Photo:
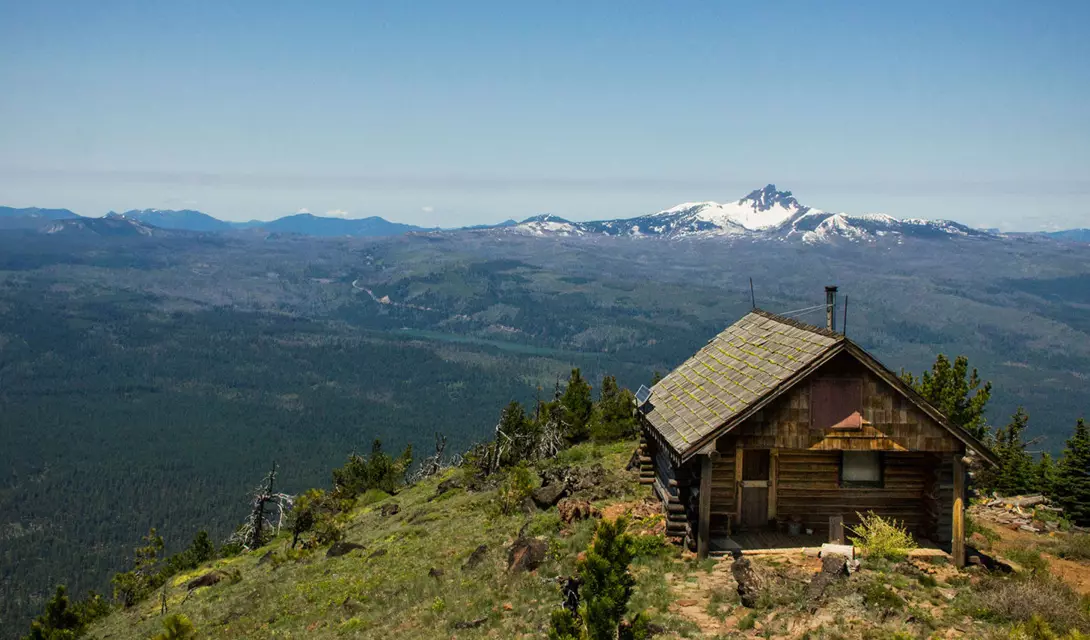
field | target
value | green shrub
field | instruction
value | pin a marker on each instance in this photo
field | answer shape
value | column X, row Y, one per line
column 649, row 546
column 517, row 484
column 1037, row 628
column 878, row 537
column 376, row 471
column 880, row 597
column 176, row 627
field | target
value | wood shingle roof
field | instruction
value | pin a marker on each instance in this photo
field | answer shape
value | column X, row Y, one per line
column 746, row 366
column 741, row 365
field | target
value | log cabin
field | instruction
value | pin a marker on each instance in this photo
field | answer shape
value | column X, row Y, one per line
column 780, row 425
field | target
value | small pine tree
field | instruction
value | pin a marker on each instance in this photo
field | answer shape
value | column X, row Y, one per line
column 1045, row 475
column 131, row 586
column 578, row 405
column 959, row 394
column 614, row 416
column 1072, row 486
column 607, row 588
column 1015, row 473
column 516, row 434
column 59, row 621
column 199, row 551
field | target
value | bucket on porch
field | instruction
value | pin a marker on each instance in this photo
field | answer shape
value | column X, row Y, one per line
column 794, row 526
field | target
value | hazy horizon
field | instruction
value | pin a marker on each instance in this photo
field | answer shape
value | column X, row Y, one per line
column 447, row 115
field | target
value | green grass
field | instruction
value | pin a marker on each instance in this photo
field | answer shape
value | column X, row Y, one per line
column 306, row 594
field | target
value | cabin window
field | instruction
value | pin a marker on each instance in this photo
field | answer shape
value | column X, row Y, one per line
column 836, row 404
column 861, row 469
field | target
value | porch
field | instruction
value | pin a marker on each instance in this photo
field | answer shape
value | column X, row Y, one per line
column 758, row 543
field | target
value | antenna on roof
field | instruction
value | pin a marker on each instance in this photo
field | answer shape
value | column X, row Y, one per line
column 844, row 329
column 752, row 298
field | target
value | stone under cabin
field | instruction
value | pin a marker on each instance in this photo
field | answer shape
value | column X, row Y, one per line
column 780, row 430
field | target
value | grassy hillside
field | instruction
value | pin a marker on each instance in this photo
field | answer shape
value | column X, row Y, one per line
column 410, row 578
column 166, row 373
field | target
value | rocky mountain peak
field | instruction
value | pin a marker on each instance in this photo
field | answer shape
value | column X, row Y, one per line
column 768, row 197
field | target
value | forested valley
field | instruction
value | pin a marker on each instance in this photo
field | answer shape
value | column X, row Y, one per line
column 151, row 382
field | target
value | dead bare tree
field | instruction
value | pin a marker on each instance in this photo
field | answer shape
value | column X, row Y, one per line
column 434, row 464
column 252, row 533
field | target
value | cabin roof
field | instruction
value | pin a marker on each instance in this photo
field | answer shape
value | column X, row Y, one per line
column 747, row 366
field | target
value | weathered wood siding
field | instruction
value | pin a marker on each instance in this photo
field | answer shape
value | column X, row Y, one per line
column 890, row 421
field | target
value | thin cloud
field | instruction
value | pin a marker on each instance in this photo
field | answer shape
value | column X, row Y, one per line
column 428, row 209
column 303, row 210
column 337, row 213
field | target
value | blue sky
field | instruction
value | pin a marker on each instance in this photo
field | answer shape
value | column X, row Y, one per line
column 451, row 113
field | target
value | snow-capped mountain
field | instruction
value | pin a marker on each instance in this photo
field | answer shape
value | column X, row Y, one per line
column 765, row 213
column 547, row 225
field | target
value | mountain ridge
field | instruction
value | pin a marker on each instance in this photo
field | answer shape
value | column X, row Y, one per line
column 763, row 214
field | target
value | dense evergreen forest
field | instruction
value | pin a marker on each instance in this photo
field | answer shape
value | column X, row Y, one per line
column 150, row 382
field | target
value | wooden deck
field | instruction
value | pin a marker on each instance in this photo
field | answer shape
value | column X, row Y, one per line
column 773, row 542
column 756, row 542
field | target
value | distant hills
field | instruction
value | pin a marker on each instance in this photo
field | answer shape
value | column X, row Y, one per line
column 766, row 213
column 312, row 225
column 186, row 219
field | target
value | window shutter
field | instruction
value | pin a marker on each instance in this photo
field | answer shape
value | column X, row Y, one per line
column 836, row 403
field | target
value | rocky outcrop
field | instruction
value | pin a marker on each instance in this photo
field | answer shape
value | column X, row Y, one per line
column 526, row 554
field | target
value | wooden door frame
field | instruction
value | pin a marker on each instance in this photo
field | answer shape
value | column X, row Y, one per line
column 771, row 483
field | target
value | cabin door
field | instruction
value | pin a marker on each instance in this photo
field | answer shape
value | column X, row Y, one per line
column 754, row 496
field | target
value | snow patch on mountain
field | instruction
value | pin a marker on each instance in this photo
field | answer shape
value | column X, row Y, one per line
column 547, row 225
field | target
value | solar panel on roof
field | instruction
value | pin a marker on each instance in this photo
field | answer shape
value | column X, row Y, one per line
column 642, row 395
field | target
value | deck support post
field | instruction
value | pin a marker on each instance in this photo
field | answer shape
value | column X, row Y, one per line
column 957, row 543
column 704, row 514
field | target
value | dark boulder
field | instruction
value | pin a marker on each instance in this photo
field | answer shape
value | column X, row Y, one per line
column 526, row 554
column 391, row 509
column 207, row 580
column 548, row 495
column 435, row 573
column 338, row 549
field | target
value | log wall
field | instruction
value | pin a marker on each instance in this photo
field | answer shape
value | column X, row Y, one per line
column 808, row 487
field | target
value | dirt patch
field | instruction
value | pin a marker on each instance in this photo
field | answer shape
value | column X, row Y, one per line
column 1074, row 573
column 693, row 599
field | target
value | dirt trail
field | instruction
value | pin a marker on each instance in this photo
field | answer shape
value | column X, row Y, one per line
column 694, row 597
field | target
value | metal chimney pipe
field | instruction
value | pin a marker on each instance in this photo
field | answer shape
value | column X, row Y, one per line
column 830, row 308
